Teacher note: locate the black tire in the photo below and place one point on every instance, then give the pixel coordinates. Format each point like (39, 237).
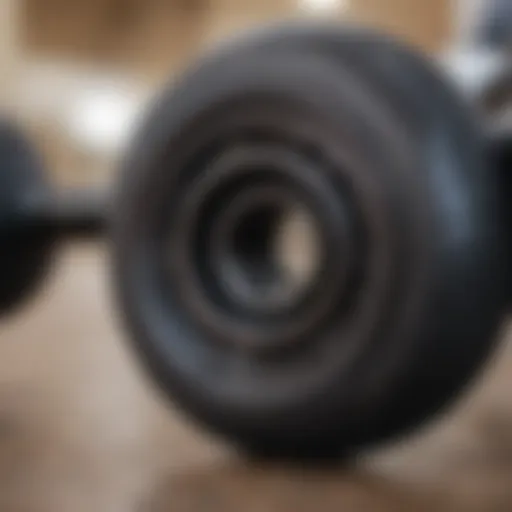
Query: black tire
(24, 260)
(392, 141)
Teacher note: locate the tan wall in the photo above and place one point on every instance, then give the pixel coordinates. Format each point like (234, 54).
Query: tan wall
(156, 34)
(148, 34)
(9, 45)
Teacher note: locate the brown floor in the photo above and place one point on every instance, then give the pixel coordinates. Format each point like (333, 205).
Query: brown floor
(80, 430)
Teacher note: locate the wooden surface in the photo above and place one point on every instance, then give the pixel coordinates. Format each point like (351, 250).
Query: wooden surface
(81, 430)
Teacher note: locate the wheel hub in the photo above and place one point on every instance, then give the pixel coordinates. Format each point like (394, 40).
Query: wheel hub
(245, 280)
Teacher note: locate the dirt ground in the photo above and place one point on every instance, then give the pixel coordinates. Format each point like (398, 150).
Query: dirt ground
(82, 430)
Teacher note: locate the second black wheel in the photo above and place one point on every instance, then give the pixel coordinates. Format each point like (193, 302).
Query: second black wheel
(24, 254)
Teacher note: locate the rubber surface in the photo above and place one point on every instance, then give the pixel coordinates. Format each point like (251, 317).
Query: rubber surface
(432, 213)
(23, 259)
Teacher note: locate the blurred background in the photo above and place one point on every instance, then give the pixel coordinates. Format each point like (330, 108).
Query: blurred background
(80, 426)
(78, 72)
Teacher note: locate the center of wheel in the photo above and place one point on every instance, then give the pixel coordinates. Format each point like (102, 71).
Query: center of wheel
(270, 247)
(264, 261)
